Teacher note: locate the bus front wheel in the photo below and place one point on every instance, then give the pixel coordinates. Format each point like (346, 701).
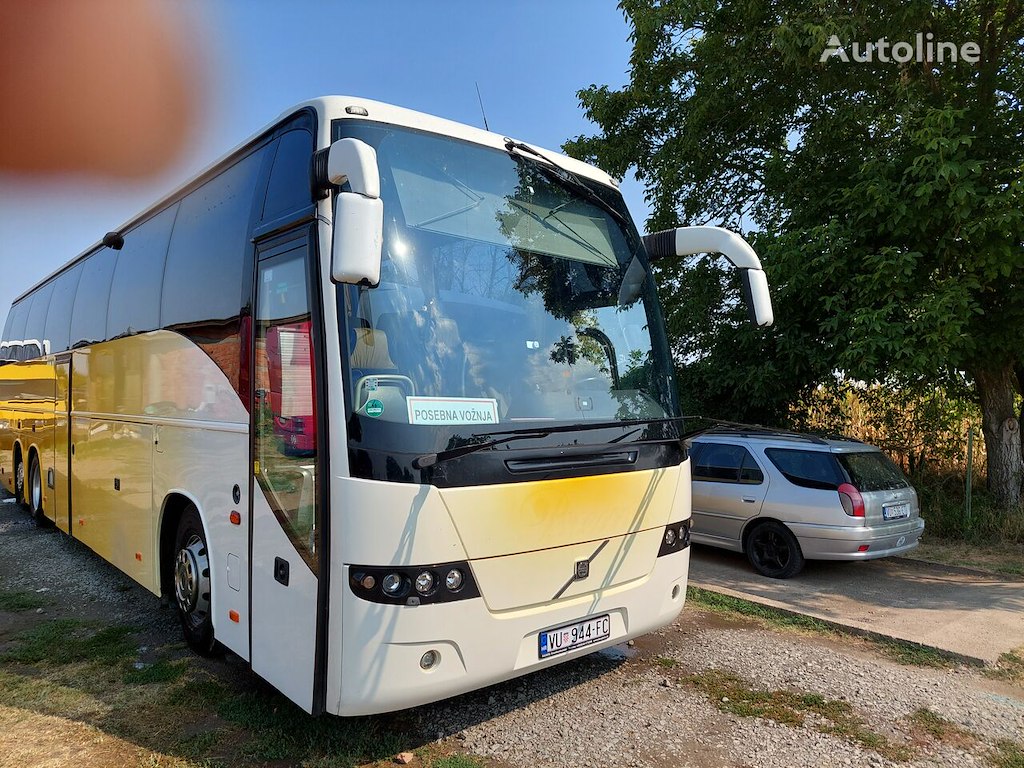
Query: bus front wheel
(192, 583)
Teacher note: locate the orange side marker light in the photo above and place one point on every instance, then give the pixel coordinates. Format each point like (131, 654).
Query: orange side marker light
(236, 519)
(233, 615)
(138, 556)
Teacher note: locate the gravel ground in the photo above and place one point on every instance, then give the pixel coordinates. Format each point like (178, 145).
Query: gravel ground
(45, 561)
(627, 706)
(607, 712)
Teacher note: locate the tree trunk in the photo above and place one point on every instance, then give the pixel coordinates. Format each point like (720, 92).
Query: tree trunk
(1020, 391)
(1001, 428)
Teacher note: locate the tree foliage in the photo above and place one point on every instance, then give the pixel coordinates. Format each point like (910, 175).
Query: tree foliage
(886, 199)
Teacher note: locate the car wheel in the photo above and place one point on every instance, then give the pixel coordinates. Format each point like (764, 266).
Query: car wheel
(192, 583)
(774, 551)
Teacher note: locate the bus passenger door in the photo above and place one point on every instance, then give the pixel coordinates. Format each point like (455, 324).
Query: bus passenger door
(286, 543)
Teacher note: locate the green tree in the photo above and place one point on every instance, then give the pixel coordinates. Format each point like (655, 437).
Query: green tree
(886, 198)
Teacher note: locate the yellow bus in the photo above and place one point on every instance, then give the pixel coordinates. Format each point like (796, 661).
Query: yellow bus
(382, 402)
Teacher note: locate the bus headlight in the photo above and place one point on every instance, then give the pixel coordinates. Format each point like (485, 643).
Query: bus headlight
(392, 584)
(413, 585)
(453, 580)
(425, 583)
(676, 538)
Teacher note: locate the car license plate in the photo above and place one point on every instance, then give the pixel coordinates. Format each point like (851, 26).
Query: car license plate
(572, 636)
(896, 511)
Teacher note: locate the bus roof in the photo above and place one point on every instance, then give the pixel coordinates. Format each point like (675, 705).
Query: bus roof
(328, 109)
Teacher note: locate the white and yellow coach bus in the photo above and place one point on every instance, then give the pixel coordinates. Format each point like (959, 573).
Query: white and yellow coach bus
(382, 402)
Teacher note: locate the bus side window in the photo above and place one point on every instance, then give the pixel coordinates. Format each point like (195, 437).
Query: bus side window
(89, 316)
(58, 318)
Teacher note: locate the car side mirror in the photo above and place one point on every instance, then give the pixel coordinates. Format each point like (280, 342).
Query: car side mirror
(358, 213)
(688, 241)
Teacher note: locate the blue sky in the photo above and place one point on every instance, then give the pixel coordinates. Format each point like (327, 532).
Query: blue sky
(528, 57)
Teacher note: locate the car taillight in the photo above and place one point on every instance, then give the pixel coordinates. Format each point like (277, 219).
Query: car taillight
(852, 501)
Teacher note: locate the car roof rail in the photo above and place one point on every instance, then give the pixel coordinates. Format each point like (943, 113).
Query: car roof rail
(756, 430)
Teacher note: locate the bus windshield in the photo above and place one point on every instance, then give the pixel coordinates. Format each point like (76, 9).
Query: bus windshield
(504, 299)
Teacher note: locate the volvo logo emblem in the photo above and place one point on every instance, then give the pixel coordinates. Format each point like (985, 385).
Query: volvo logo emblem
(581, 570)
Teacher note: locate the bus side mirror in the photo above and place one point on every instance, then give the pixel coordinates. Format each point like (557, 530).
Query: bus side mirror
(687, 241)
(358, 213)
(754, 284)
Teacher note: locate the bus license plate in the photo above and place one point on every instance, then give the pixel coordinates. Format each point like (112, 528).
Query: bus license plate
(896, 511)
(572, 636)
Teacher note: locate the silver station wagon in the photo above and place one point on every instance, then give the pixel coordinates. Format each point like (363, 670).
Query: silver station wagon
(783, 498)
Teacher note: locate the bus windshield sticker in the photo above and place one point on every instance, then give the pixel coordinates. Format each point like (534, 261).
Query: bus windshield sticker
(452, 410)
(373, 408)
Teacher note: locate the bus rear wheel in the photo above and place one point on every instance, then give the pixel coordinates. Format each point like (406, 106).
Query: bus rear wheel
(192, 583)
(35, 491)
(19, 480)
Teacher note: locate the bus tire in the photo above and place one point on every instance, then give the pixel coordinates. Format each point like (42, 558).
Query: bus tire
(19, 478)
(35, 490)
(192, 586)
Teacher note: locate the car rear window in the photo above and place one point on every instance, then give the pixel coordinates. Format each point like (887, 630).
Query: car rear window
(872, 471)
(809, 469)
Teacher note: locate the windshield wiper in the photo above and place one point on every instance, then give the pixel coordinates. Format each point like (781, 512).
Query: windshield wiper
(507, 436)
(566, 178)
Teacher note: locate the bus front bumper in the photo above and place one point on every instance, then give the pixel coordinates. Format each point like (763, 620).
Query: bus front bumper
(384, 645)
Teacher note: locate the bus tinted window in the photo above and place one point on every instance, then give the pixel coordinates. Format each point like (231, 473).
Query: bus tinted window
(89, 317)
(58, 319)
(7, 328)
(289, 187)
(16, 328)
(138, 278)
(203, 277)
(35, 327)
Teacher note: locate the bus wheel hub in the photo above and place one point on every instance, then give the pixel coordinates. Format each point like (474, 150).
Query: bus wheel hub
(191, 577)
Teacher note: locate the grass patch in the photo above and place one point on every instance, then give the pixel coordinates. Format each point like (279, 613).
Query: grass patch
(732, 694)
(1010, 667)
(160, 671)
(197, 746)
(901, 651)
(1008, 754)
(458, 761)
(912, 654)
(941, 729)
(665, 662)
(19, 602)
(281, 731)
(67, 641)
(1003, 557)
(47, 697)
(197, 693)
(713, 601)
